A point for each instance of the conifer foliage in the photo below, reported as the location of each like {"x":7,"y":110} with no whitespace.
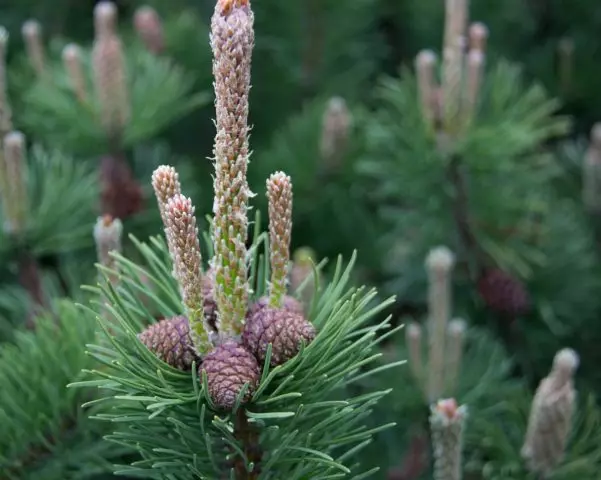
{"x":114,"y":94}
{"x":223,"y":332}
{"x":443,"y":127}
{"x":265,"y":394}
{"x":37,"y":221}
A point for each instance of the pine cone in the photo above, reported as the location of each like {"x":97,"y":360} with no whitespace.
{"x":170,"y":340}
{"x":503,"y":292}
{"x":228,"y":368}
{"x":290,"y":304}
{"x":121,"y":195}
{"x":283,"y":328}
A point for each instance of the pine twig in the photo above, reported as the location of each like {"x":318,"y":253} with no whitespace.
{"x":30,"y":280}
{"x":461,"y":214}
{"x":313,"y":51}
{"x":248,"y":436}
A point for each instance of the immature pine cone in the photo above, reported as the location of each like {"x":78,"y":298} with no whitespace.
{"x":289,"y":303}
{"x":121,"y":195}
{"x":229,"y":366}
{"x":170,"y":340}
{"x":282,"y":328}
{"x":503,"y":293}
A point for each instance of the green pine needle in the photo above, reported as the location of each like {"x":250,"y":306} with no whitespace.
{"x":45,"y":434}
{"x":62,"y":194}
{"x":160,"y":93}
{"x":306,"y":417}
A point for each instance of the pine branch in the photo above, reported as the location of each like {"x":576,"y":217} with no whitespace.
{"x":248,"y":436}
{"x":462,"y":216}
{"x":30,"y":280}
{"x":295,"y":405}
{"x":314,"y":44}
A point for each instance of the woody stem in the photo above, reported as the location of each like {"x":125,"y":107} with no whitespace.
{"x":247,"y":435}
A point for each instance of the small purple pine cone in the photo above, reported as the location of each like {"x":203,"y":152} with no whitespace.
{"x":170,"y":341}
{"x":503,"y":292}
{"x":228,"y":367}
{"x":290,"y":304}
{"x":283,"y":328}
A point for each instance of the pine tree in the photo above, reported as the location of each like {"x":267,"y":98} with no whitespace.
{"x":221,"y":334}
{"x":264,"y":395}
